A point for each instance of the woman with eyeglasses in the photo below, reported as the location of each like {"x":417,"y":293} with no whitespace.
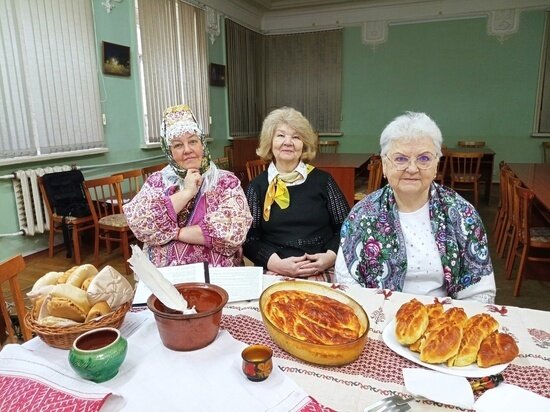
{"x":414,"y":235}
{"x":190,"y":211}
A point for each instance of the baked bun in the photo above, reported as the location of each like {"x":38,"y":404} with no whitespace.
{"x":98,"y":310}
{"x":86,"y":283}
{"x":110,"y":286}
{"x":63,"y":278}
{"x":435,"y":310}
{"x":495,"y":349}
{"x":441,"y":343}
{"x":55,"y":321}
{"x":49,"y":278}
{"x":81,"y":273}
{"x":456,"y":316}
{"x":411,"y":320}
{"x":476,"y":329}
{"x":68,"y":301}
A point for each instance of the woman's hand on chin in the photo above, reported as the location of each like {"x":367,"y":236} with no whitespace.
{"x":192,"y":182}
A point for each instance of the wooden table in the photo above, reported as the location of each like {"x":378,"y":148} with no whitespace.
{"x":343,"y":167}
{"x":485,"y":169}
{"x":535,"y":176}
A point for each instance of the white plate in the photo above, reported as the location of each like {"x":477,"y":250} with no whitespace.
{"x":470,"y":371}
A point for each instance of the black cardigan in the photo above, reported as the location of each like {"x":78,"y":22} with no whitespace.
{"x":311,"y":224}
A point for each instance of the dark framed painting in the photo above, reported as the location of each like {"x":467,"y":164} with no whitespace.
{"x":217,"y":74}
{"x":116,"y":59}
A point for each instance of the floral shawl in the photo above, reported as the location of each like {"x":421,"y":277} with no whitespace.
{"x":373,"y":245}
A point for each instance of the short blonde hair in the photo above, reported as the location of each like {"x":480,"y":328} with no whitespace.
{"x":294,"y":119}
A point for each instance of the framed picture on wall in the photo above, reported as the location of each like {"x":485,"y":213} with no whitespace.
{"x":116,"y":59}
{"x":217,"y":74}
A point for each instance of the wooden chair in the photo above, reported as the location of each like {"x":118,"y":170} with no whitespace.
{"x":374,"y":180}
{"x":9,"y":269}
{"x":465,"y":172}
{"x":254,"y":168}
{"x":132,"y":180}
{"x":76,"y":225}
{"x":531,"y":243}
{"x":470,"y":143}
{"x":442,"y":168}
{"x":104,"y":196}
{"x":149,"y":170}
{"x":503,"y":209}
{"x":546,"y":151}
{"x":222,"y":163}
{"x":328,"y":146}
{"x":228,"y":152}
{"x":508,"y":231}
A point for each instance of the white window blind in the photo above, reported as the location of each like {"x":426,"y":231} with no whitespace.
{"x":542,"y":114}
{"x":173,"y":61}
{"x":48,"y":78}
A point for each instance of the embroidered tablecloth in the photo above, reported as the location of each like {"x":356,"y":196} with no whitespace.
{"x":378,"y":371}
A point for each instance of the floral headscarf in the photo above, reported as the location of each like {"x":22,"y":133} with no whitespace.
{"x":177,"y":120}
{"x":374,"y":247}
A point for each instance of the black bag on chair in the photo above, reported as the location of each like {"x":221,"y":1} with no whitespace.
{"x":67,"y":198}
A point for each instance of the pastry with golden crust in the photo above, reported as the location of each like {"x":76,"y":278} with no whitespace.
{"x":435,"y":310}
{"x":495,"y":349}
{"x":313,"y":318}
{"x":411,"y":321}
{"x":477,"y":328}
{"x":441,"y":343}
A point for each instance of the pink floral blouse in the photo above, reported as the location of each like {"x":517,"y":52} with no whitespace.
{"x":222,"y":213}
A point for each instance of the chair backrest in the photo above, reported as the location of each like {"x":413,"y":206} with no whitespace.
{"x":328,"y":146}
{"x":375,"y":174}
{"x":505,"y":174}
{"x":9,"y":269}
{"x":546,"y":151}
{"x":471,"y":143}
{"x":149,"y":170}
{"x":132,"y":180}
{"x":254,"y":168}
{"x":222,"y":163}
{"x":513,"y":201}
{"x":442,"y":167}
{"x":465,"y":166}
{"x":104,"y":196}
{"x":525,"y":198}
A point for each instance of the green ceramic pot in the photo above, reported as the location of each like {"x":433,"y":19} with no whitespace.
{"x":97,"y":354}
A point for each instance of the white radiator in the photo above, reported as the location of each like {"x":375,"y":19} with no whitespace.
{"x":31,"y":210}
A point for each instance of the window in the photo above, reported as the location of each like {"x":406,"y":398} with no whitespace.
{"x":303,"y":71}
{"x":173,"y":61}
{"x":48,"y":80}
{"x":542,"y":113}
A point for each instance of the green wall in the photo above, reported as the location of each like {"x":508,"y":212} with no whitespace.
{"x":474,"y":86}
{"x":470,"y":83}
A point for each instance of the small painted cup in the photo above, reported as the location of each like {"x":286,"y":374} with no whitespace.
{"x":96,"y":355}
{"x":257,"y":362}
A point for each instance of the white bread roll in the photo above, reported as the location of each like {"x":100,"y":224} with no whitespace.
{"x":68,"y":301}
{"x":49,"y":278}
{"x":109,"y":285}
{"x":55,"y":321}
{"x":80,"y":274}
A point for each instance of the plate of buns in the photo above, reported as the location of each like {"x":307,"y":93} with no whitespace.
{"x":450,"y":341}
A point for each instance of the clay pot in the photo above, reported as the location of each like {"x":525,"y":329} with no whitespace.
{"x":190,"y":332}
{"x":96,"y":355}
{"x":257,"y":363}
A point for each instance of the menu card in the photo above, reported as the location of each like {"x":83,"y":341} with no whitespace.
{"x":241,"y":283}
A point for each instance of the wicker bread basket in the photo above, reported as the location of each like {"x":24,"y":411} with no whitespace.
{"x":63,"y":337}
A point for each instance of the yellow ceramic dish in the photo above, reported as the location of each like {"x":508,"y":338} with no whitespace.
{"x":328,"y":355}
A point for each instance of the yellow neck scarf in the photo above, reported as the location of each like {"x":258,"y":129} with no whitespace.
{"x":278,"y":192}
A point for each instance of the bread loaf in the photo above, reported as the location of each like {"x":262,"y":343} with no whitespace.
{"x":68,"y":301}
{"x":81,"y":273}
{"x":441,"y":343}
{"x":435,"y":310}
{"x":98,"y":310}
{"x":497,"y":348}
{"x":411,"y":320}
{"x":476,"y":329}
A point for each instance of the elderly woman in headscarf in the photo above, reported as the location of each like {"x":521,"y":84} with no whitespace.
{"x":190,"y":211}
{"x":414,"y":235}
{"x":297,"y":209}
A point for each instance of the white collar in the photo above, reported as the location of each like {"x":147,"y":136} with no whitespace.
{"x":272,"y":171}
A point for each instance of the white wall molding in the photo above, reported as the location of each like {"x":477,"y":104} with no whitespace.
{"x":374,"y":33}
{"x":503,"y":23}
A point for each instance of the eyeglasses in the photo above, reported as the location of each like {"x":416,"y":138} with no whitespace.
{"x":402,"y":162}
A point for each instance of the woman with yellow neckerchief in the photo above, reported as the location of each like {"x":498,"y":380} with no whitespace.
{"x":297,"y":210}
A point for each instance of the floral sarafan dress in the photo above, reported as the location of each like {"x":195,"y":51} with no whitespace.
{"x":222,"y":213}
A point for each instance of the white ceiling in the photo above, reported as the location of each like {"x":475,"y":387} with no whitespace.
{"x":286,"y":16}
